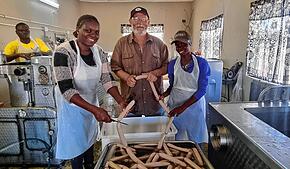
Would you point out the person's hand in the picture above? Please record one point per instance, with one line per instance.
(26, 56)
(131, 81)
(123, 105)
(176, 111)
(161, 97)
(198, 52)
(102, 115)
(151, 77)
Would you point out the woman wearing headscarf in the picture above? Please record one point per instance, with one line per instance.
(80, 65)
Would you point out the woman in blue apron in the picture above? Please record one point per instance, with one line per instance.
(188, 78)
(79, 67)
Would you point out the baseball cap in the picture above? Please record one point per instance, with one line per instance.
(139, 10)
(182, 36)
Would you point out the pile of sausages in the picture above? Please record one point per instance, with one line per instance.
(148, 156)
(151, 156)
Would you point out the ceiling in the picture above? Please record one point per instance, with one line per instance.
(137, 0)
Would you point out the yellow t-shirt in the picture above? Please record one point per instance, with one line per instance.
(17, 46)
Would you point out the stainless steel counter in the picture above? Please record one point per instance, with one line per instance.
(268, 144)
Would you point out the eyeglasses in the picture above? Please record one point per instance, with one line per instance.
(136, 19)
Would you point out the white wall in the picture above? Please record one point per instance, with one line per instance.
(112, 15)
(235, 34)
(34, 10)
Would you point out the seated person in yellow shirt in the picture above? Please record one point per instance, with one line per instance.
(25, 47)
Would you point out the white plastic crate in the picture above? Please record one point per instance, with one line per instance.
(139, 129)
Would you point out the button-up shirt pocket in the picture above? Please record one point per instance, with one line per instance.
(128, 62)
(156, 58)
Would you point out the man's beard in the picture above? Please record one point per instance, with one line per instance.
(139, 32)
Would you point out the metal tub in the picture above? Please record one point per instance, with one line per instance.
(107, 153)
(276, 117)
(248, 136)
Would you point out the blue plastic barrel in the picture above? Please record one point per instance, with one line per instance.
(214, 88)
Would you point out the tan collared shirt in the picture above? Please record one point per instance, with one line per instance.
(127, 56)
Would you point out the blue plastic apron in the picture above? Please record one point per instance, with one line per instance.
(191, 123)
(78, 128)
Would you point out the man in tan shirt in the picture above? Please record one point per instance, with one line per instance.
(140, 53)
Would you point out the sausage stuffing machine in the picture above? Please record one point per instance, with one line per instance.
(28, 137)
(249, 135)
(28, 127)
(30, 83)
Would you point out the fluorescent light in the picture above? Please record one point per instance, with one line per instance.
(51, 3)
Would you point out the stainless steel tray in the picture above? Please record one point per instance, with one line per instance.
(107, 153)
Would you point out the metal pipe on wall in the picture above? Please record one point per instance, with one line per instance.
(34, 22)
(44, 27)
(36, 28)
